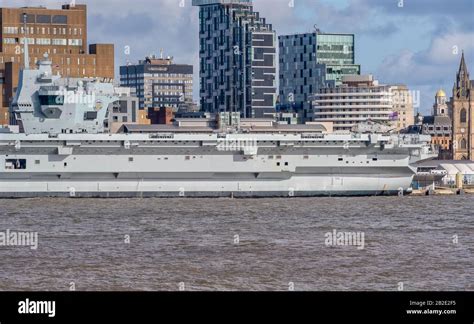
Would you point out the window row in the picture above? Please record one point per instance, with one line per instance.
(43, 30)
(44, 41)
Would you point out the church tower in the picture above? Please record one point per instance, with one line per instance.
(463, 114)
(440, 107)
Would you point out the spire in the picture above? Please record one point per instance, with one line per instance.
(462, 65)
(463, 84)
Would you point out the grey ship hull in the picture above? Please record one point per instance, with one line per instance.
(193, 165)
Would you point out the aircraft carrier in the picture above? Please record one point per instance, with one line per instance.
(64, 151)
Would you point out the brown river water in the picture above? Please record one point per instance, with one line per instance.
(426, 243)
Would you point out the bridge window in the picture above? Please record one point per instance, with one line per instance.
(52, 100)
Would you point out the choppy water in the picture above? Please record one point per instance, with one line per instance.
(192, 241)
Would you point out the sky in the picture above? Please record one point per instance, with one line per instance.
(412, 42)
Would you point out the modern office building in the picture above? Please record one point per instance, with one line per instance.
(403, 108)
(360, 98)
(311, 61)
(159, 82)
(237, 59)
(62, 33)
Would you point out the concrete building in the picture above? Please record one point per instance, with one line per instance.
(123, 111)
(311, 61)
(237, 58)
(62, 33)
(359, 99)
(402, 101)
(159, 82)
(462, 104)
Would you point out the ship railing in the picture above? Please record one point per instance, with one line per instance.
(311, 135)
(161, 136)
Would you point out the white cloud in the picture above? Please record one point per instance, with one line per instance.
(445, 48)
(430, 69)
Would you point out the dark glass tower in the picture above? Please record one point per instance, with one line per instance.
(237, 58)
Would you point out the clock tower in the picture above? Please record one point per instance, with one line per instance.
(463, 114)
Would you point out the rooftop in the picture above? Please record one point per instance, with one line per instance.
(437, 120)
(225, 2)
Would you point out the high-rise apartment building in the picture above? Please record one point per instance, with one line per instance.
(359, 99)
(62, 33)
(237, 58)
(159, 82)
(311, 61)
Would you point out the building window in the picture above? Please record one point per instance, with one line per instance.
(43, 41)
(59, 41)
(29, 40)
(463, 144)
(75, 42)
(463, 116)
(10, 30)
(9, 41)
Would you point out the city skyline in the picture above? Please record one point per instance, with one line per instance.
(397, 41)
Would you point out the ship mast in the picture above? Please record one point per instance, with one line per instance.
(26, 54)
